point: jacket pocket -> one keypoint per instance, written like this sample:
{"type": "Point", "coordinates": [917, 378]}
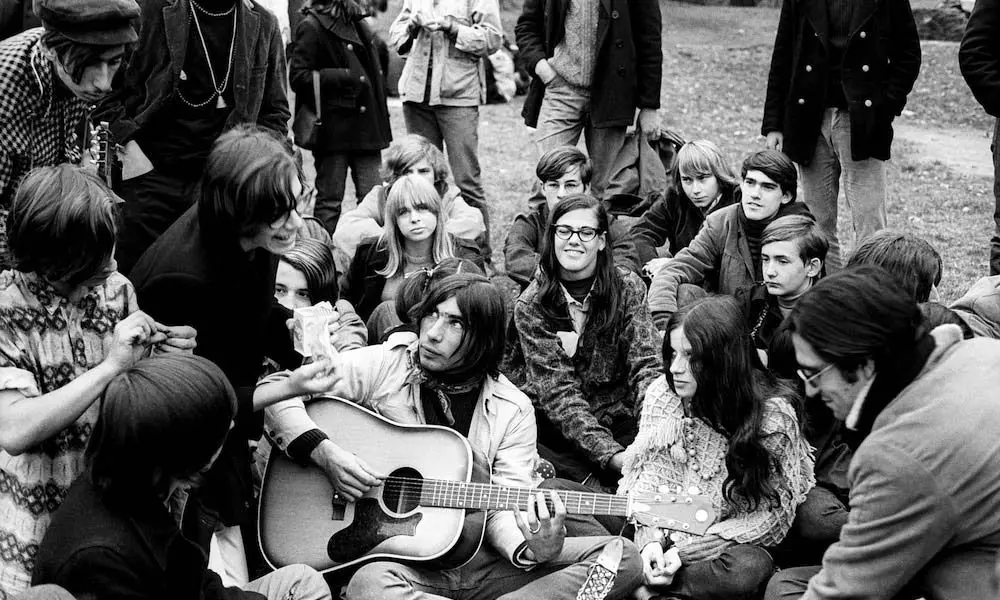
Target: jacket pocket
{"type": "Point", "coordinates": [460, 79]}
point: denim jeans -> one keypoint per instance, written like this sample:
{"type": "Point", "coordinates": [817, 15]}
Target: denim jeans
{"type": "Point", "coordinates": [791, 584]}
{"type": "Point", "coordinates": [331, 181]}
{"type": "Point", "coordinates": [995, 242]}
{"type": "Point", "coordinates": [817, 525]}
{"type": "Point", "coordinates": [489, 576]}
{"type": "Point", "coordinates": [864, 184]}
{"type": "Point", "coordinates": [294, 582]}
{"type": "Point", "coordinates": [564, 116]}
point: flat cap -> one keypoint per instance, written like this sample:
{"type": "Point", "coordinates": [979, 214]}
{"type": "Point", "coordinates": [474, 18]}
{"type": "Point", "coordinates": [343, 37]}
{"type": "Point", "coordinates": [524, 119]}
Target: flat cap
{"type": "Point", "coordinates": [96, 22]}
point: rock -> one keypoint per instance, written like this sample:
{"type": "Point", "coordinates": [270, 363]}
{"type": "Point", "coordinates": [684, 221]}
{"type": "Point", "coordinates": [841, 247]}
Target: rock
{"type": "Point", "coordinates": [946, 22]}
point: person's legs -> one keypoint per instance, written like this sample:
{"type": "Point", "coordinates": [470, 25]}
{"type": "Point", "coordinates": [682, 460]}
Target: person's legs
{"type": "Point", "coordinates": [821, 187]}
{"type": "Point", "coordinates": [603, 146]}
{"type": "Point", "coordinates": [562, 116]}
{"type": "Point", "coordinates": [331, 180]}
{"type": "Point", "coordinates": [490, 576]}
{"type": "Point", "coordinates": [739, 572]}
{"type": "Point", "coordinates": [995, 242]}
{"type": "Point", "coordinates": [817, 525]}
{"type": "Point", "coordinates": [864, 181]}
{"type": "Point", "coordinates": [294, 582]}
{"type": "Point", "coordinates": [421, 119]}
{"type": "Point", "coordinates": [152, 202]}
{"type": "Point", "coordinates": [365, 167]}
{"type": "Point", "coordinates": [460, 130]}
{"type": "Point", "coordinates": [227, 556]}
{"type": "Point", "coordinates": [394, 581]}
{"type": "Point", "coordinates": [789, 584]}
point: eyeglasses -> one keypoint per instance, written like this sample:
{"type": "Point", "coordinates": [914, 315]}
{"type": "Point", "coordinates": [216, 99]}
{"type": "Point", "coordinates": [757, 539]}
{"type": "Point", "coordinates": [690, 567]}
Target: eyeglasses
{"type": "Point", "coordinates": [586, 234]}
{"type": "Point", "coordinates": [810, 379]}
{"type": "Point", "coordinates": [571, 187]}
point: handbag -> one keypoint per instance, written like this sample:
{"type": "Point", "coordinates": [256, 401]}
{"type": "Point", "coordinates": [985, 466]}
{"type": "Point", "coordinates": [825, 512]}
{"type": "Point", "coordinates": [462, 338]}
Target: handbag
{"type": "Point", "coordinates": [308, 122]}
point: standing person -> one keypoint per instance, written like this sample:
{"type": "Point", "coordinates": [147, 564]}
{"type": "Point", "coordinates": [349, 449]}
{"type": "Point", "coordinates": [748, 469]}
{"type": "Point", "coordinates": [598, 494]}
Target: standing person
{"type": "Point", "coordinates": [444, 79]}
{"type": "Point", "coordinates": [840, 73]}
{"type": "Point", "coordinates": [201, 67]}
{"type": "Point", "coordinates": [702, 183]}
{"type": "Point", "coordinates": [115, 536]}
{"type": "Point", "coordinates": [924, 482]}
{"type": "Point", "coordinates": [334, 39]}
{"type": "Point", "coordinates": [583, 346]}
{"type": "Point", "coordinates": [979, 58]}
{"type": "Point", "coordinates": [215, 270]}
{"type": "Point", "coordinates": [70, 325]}
{"type": "Point", "coordinates": [49, 79]}
{"type": "Point", "coordinates": [593, 63]}
{"type": "Point", "coordinates": [714, 422]}
{"type": "Point", "coordinates": [449, 375]}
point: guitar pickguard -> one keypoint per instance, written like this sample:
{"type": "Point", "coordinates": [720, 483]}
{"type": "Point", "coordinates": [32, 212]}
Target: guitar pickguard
{"type": "Point", "coordinates": [371, 527]}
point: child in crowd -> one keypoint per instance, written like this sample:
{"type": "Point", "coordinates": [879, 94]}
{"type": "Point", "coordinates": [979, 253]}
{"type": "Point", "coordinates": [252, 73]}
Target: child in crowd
{"type": "Point", "coordinates": [334, 40]}
{"type": "Point", "coordinates": [714, 422]}
{"type": "Point", "coordinates": [415, 238]}
{"type": "Point", "coordinates": [410, 154]}
{"type": "Point", "coordinates": [70, 325]}
{"type": "Point", "coordinates": [725, 255]}
{"type": "Point", "coordinates": [702, 183]}
{"type": "Point", "coordinates": [115, 536]}
{"type": "Point", "coordinates": [561, 172]}
{"type": "Point", "coordinates": [583, 346]}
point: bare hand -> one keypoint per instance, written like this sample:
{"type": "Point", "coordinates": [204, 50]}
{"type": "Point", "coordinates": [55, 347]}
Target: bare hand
{"type": "Point", "coordinates": [180, 338]}
{"type": "Point", "coordinates": [696, 549]}
{"type": "Point", "coordinates": [615, 464]}
{"type": "Point", "coordinates": [313, 378]}
{"type": "Point", "coordinates": [544, 532]}
{"type": "Point", "coordinates": [134, 161]}
{"type": "Point", "coordinates": [649, 122]}
{"type": "Point", "coordinates": [775, 141]}
{"type": "Point", "coordinates": [658, 567]}
{"type": "Point", "coordinates": [545, 71]}
{"type": "Point", "coordinates": [655, 265]}
{"type": "Point", "coordinates": [350, 476]}
{"type": "Point", "coordinates": [133, 337]}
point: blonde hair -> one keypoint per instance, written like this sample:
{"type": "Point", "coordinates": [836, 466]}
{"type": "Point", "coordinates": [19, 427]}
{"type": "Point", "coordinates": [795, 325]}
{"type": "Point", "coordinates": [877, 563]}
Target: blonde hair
{"type": "Point", "coordinates": [412, 191]}
{"type": "Point", "coordinates": [702, 157]}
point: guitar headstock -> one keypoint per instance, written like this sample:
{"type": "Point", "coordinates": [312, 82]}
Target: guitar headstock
{"type": "Point", "coordinates": [102, 150]}
{"type": "Point", "coordinates": [677, 510]}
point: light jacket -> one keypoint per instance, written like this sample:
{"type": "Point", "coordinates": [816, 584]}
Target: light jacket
{"type": "Point", "coordinates": [980, 307]}
{"type": "Point", "coordinates": [458, 76]}
{"type": "Point", "coordinates": [719, 255]}
{"type": "Point", "coordinates": [365, 221]}
{"type": "Point", "coordinates": [382, 379]}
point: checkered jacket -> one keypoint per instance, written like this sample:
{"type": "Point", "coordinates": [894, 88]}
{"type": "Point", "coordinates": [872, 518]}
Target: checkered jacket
{"type": "Point", "coordinates": [38, 125]}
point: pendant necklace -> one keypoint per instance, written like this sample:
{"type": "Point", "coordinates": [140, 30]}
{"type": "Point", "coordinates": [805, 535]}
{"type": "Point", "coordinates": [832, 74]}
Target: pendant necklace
{"type": "Point", "coordinates": [219, 88]}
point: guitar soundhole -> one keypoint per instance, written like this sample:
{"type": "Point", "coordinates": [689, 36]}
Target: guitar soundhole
{"type": "Point", "coordinates": [401, 490]}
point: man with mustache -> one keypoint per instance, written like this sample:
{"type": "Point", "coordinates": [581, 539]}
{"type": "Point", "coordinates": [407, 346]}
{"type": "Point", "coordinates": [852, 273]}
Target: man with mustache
{"type": "Point", "coordinates": [50, 78]}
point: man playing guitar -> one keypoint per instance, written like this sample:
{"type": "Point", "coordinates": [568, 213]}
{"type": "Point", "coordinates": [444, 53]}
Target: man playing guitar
{"type": "Point", "coordinates": [448, 376]}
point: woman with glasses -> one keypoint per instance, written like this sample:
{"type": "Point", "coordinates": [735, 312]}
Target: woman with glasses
{"type": "Point", "coordinates": [214, 270]}
{"type": "Point", "coordinates": [583, 346]}
{"type": "Point", "coordinates": [714, 422]}
{"type": "Point", "coordinates": [414, 237]}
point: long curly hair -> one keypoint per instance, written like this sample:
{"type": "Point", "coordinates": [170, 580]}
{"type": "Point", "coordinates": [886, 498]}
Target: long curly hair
{"type": "Point", "coordinates": [606, 294]}
{"type": "Point", "coordinates": [731, 394]}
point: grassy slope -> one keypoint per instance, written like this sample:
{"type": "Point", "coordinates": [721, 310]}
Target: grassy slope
{"type": "Point", "coordinates": [715, 70]}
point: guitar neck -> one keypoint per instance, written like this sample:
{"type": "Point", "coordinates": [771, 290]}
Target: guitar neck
{"type": "Point", "coordinates": [483, 496]}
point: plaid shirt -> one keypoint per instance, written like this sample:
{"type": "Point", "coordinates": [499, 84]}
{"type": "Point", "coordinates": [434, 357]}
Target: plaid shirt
{"type": "Point", "coordinates": [38, 125]}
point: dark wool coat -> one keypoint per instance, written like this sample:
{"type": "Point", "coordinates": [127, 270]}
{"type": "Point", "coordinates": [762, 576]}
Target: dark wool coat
{"type": "Point", "coordinates": [629, 63]}
{"type": "Point", "coordinates": [880, 64]}
{"type": "Point", "coordinates": [675, 219]}
{"type": "Point", "coordinates": [352, 87]}
{"type": "Point", "coordinates": [979, 55]}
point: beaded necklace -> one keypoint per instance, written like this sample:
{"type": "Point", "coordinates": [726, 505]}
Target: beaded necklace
{"type": "Point", "coordinates": [219, 89]}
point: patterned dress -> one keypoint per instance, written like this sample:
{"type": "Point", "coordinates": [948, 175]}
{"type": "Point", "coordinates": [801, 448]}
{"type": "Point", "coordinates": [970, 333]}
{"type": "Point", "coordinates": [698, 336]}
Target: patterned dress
{"type": "Point", "coordinates": [46, 341]}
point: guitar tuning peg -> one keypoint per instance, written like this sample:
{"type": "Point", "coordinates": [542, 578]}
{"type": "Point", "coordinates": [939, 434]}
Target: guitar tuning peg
{"type": "Point", "coordinates": [680, 489]}
{"type": "Point", "coordinates": [693, 490]}
{"type": "Point", "coordinates": [701, 515]}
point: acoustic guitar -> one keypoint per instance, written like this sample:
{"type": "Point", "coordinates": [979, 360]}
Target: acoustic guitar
{"type": "Point", "coordinates": [431, 508]}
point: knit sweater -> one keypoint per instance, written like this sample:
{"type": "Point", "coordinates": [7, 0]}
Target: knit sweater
{"type": "Point", "coordinates": [675, 450]}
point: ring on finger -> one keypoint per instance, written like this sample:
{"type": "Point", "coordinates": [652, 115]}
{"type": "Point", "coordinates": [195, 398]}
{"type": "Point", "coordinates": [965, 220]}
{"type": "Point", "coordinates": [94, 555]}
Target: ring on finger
{"type": "Point", "coordinates": [535, 530]}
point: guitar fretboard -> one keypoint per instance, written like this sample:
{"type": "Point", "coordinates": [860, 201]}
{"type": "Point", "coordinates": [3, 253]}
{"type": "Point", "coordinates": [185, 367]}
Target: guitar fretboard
{"type": "Point", "coordinates": [484, 496]}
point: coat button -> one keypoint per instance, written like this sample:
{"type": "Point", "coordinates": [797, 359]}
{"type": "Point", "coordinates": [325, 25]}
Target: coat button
{"type": "Point", "coordinates": [614, 14]}
{"type": "Point", "coordinates": [809, 68]}
{"type": "Point", "coordinates": [802, 100]}
{"type": "Point", "coordinates": [864, 68]}
{"type": "Point", "coordinates": [619, 43]}
{"type": "Point", "coordinates": [863, 35]}
{"type": "Point", "coordinates": [363, 109]}
{"type": "Point", "coordinates": [621, 71]}
{"type": "Point", "coordinates": [350, 47]}
{"type": "Point", "coordinates": [362, 79]}
{"type": "Point", "coordinates": [868, 103]}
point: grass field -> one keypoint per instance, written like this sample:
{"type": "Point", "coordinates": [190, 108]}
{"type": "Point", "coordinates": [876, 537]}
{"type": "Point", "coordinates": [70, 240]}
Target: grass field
{"type": "Point", "coordinates": [714, 78]}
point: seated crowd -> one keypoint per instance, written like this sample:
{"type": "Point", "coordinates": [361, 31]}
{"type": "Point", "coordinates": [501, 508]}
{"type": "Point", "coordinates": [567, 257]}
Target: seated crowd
{"type": "Point", "coordinates": [271, 398]}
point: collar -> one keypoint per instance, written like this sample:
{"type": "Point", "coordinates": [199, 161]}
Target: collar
{"type": "Point", "coordinates": [46, 294]}
{"type": "Point", "coordinates": [855, 414]}
{"type": "Point", "coordinates": [493, 390]}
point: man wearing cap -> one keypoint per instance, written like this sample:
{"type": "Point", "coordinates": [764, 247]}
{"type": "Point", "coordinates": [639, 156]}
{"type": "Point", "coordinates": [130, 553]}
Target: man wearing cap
{"type": "Point", "coordinates": [50, 78]}
{"type": "Point", "coordinates": [201, 67]}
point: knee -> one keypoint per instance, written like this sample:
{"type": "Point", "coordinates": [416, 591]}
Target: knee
{"type": "Point", "coordinates": [372, 582]}
{"type": "Point", "coordinates": [820, 518]}
{"type": "Point", "coordinates": [789, 583]}
{"type": "Point", "coordinates": [748, 569]}
{"type": "Point", "coordinates": [309, 584]}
